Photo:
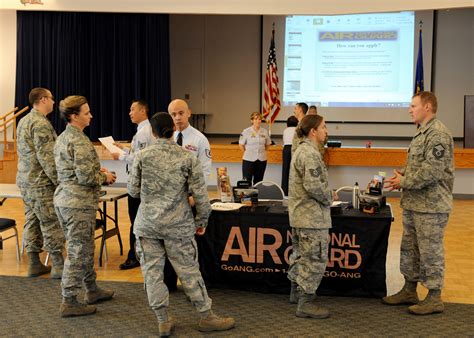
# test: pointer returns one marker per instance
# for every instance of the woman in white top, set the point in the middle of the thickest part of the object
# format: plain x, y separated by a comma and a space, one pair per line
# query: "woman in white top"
288, 134
254, 142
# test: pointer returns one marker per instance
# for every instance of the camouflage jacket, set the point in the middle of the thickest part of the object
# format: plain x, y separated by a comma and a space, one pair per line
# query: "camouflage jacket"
79, 173
428, 176
309, 197
36, 137
161, 176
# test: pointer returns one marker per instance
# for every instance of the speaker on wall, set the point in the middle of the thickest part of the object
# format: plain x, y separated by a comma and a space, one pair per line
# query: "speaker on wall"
468, 121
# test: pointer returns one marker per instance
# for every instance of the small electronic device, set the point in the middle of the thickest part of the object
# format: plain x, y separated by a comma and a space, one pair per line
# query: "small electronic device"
245, 195
375, 186
334, 144
371, 204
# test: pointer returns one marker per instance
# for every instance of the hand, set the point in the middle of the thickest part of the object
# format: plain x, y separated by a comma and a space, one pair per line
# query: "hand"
119, 145
103, 170
335, 196
200, 231
191, 201
116, 156
393, 183
110, 177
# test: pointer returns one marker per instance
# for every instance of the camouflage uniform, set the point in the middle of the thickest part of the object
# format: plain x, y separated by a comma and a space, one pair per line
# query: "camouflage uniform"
37, 179
76, 202
309, 210
161, 176
427, 184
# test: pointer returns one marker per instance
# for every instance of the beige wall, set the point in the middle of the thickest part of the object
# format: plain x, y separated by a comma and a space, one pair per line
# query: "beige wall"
7, 60
279, 7
229, 78
454, 65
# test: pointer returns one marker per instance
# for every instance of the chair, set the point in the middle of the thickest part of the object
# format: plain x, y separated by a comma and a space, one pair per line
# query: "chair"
269, 190
9, 224
100, 224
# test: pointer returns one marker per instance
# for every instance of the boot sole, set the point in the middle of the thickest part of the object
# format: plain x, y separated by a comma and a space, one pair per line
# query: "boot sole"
305, 315
214, 329
77, 315
95, 301
427, 313
403, 303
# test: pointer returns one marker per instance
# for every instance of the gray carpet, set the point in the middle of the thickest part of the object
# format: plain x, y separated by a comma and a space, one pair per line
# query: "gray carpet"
29, 307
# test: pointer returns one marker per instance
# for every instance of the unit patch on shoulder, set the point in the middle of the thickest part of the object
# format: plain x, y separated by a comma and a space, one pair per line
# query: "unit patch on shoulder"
438, 151
315, 172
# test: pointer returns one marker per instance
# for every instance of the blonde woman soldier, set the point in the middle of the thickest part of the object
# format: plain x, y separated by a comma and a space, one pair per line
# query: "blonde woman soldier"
76, 201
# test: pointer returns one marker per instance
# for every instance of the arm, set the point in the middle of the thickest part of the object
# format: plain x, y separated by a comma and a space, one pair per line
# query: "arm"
438, 157
135, 178
313, 181
268, 141
43, 141
86, 163
197, 185
242, 142
204, 156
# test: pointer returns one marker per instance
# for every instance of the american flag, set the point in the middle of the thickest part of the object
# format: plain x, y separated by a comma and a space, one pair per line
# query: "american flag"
271, 95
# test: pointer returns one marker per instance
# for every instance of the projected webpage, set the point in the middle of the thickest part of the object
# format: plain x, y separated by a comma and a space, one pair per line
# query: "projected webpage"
363, 60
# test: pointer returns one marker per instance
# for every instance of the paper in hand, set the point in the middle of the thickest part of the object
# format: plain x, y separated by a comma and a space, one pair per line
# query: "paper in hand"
108, 142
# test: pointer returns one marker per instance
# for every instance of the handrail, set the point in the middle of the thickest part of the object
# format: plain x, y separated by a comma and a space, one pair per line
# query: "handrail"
6, 114
6, 121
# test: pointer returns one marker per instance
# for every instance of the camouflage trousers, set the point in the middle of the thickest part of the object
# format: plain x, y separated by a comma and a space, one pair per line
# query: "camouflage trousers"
183, 255
309, 258
79, 227
42, 227
422, 248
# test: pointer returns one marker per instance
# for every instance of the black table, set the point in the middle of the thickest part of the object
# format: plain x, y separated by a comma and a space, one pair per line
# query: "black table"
249, 249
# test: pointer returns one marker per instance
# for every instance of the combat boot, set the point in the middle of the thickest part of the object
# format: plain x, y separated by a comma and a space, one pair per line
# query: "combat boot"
70, 307
431, 304
35, 267
294, 295
407, 295
165, 322
308, 309
211, 322
165, 328
98, 295
58, 265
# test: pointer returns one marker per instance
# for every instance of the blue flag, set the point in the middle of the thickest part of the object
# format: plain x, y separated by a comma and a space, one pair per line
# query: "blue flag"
419, 82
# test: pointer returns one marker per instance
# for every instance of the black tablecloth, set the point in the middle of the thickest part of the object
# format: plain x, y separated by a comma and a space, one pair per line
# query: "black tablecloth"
249, 249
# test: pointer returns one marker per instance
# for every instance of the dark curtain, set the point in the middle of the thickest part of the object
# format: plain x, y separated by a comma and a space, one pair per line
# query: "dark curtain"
111, 59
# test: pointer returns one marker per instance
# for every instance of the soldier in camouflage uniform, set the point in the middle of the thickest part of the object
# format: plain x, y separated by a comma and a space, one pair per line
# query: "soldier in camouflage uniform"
161, 176
309, 202
37, 180
76, 201
427, 183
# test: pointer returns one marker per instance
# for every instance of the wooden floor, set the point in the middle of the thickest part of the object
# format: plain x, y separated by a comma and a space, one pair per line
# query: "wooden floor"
459, 281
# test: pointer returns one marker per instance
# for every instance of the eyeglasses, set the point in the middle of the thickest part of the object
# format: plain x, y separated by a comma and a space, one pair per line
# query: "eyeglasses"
49, 97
